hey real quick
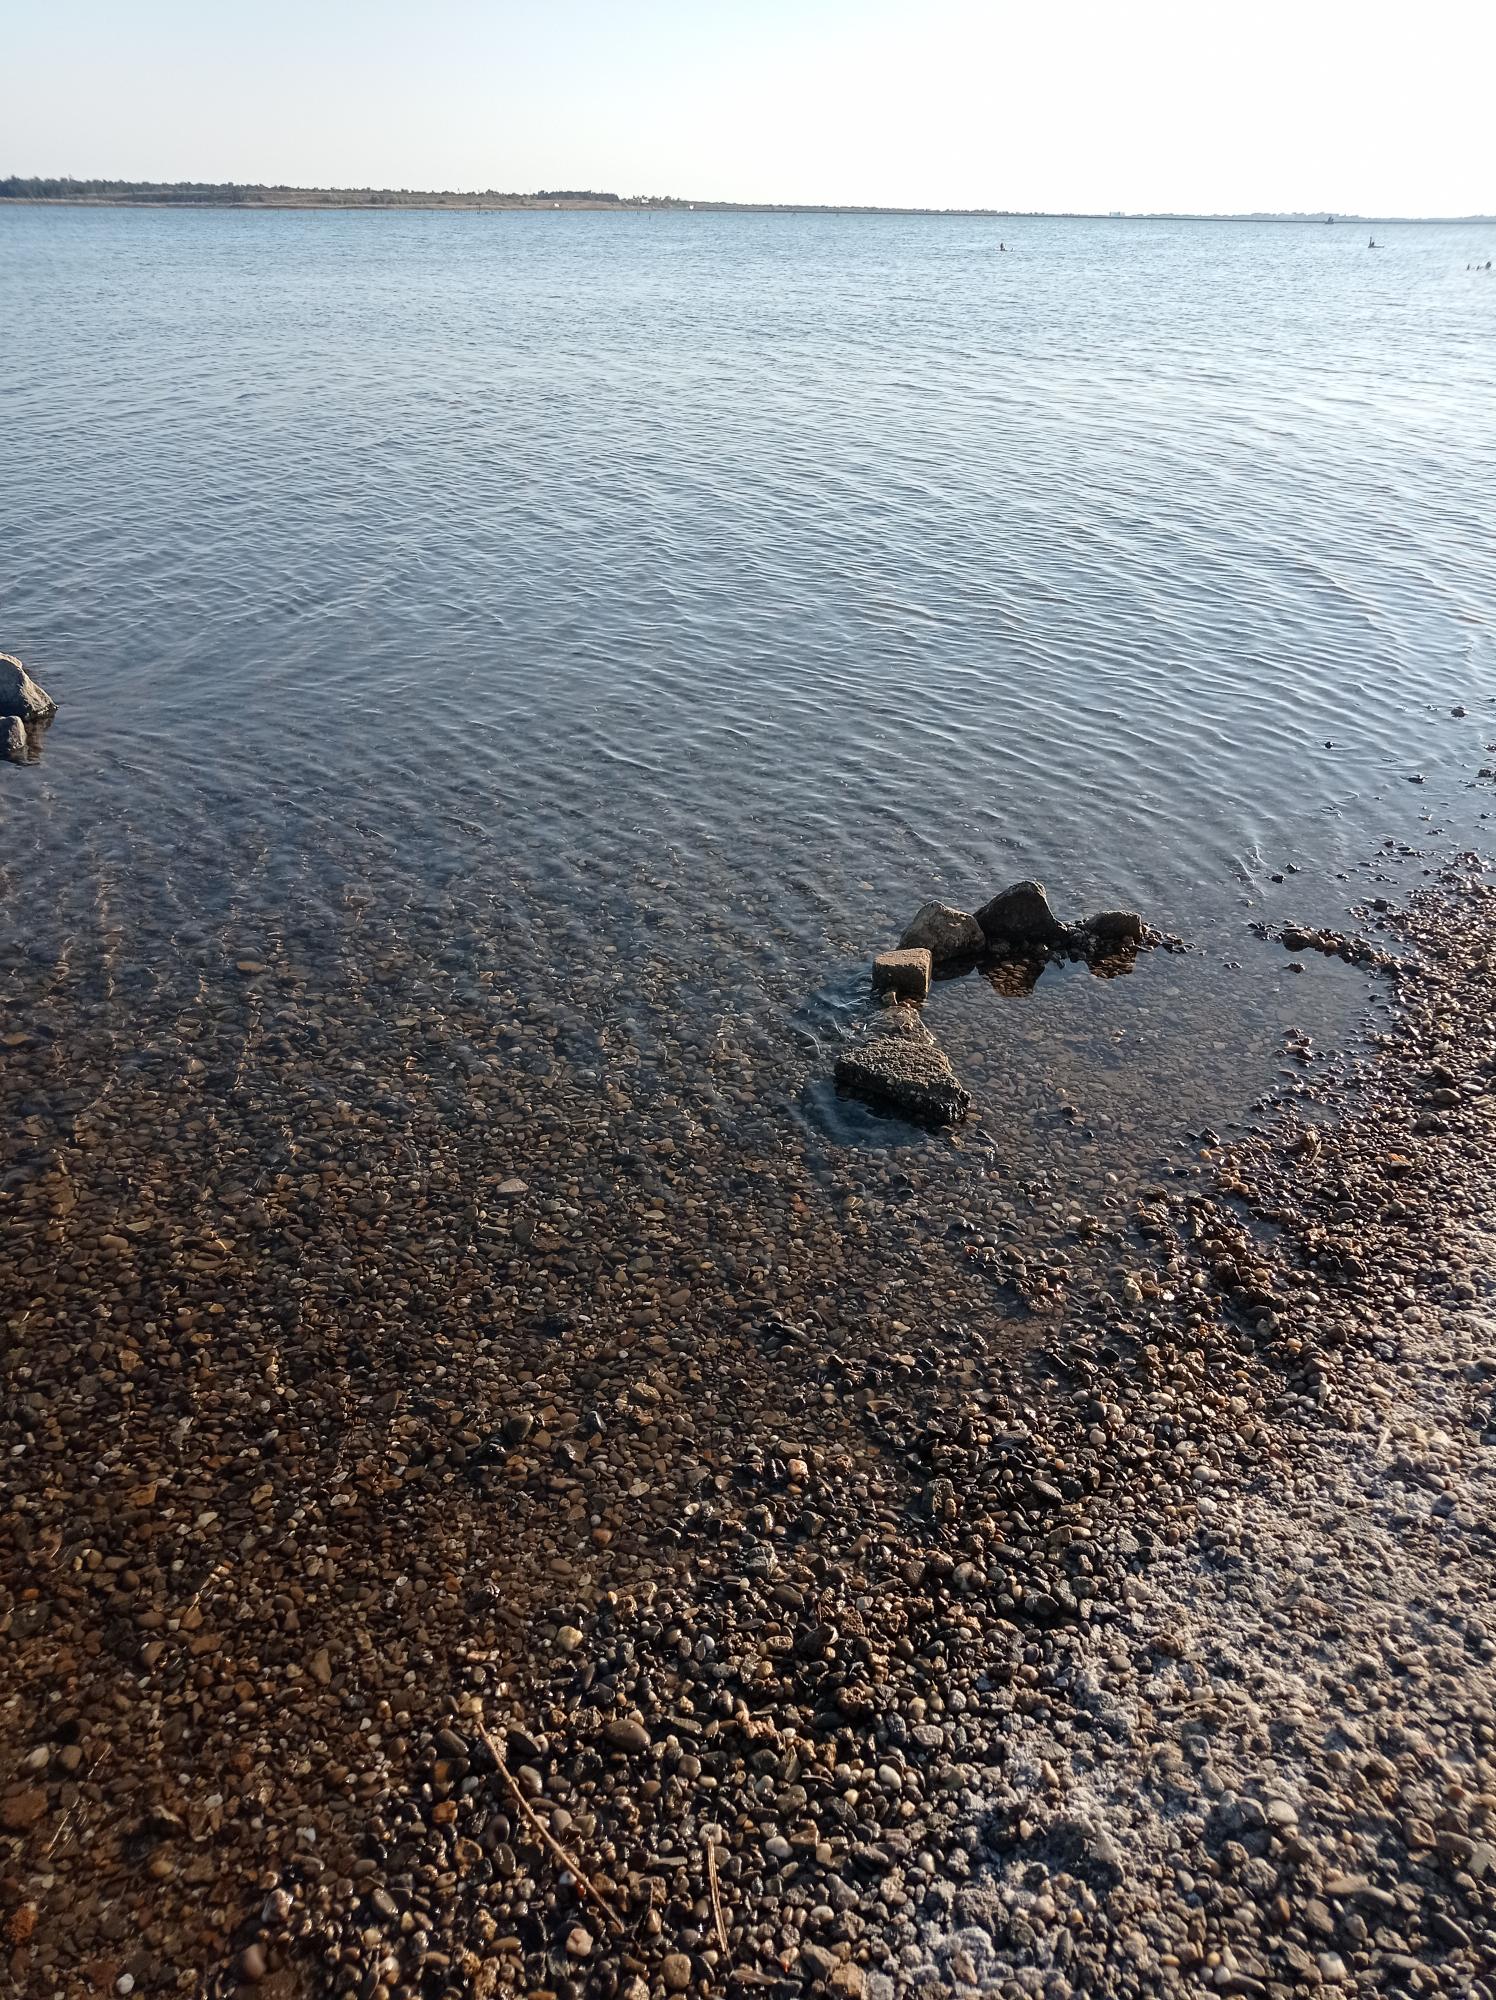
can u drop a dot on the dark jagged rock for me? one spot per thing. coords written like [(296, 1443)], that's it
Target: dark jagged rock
[(949, 935), (1021, 917), (13, 745), (20, 695), (1113, 928), (899, 1065)]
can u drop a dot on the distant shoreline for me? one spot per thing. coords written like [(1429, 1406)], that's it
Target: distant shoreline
[(439, 204), (37, 192)]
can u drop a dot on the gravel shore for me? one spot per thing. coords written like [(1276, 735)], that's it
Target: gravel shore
[(710, 1633)]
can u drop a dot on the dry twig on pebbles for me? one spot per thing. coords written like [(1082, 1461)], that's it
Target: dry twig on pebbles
[(711, 1876), (63, 1824), (583, 1880)]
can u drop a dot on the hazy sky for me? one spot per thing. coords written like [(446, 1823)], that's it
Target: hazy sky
[(1059, 104)]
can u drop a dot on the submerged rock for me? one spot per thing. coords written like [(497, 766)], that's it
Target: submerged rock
[(948, 935), (906, 973), (1021, 916), (13, 745), (899, 1065), (20, 695)]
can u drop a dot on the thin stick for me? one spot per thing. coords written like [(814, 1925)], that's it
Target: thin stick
[(583, 1879), (62, 1824), (711, 1876)]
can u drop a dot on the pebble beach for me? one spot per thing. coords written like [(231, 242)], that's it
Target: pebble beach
[(554, 1448), (409, 1592)]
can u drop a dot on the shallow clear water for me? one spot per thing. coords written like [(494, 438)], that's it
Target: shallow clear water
[(650, 612)]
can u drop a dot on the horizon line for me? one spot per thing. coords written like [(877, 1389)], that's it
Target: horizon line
[(83, 191)]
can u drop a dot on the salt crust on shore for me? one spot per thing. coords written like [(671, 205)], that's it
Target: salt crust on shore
[(1359, 1557)]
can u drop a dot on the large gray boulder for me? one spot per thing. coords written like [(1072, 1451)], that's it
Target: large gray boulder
[(948, 935), (898, 1065), (13, 745), (20, 695), (1021, 918)]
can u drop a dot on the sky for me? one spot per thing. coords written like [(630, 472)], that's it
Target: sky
[(1093, 105)]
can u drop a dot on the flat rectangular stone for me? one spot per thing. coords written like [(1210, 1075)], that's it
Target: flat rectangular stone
[(906, 973)]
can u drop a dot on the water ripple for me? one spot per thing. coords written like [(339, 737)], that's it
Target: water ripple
[(740, 580)]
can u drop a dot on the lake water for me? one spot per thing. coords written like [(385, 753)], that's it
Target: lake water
[(561, 648)]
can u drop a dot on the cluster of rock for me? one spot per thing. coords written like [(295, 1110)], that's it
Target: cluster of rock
[(1331, 944), (1019, 921), (23, 706), (895, 1061)]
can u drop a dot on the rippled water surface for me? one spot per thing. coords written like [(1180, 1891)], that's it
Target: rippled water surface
[(640, 616)]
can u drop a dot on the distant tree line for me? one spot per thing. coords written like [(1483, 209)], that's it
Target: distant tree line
[(219, 194), (257, 194), (35, 188)]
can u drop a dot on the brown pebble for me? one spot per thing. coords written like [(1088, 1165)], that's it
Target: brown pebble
[(20, 1810), (20, 1924), (631, 1737)]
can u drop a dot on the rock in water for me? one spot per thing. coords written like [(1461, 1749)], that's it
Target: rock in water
[(1021, 916), (20, 695), (13, 745), (899, 1065), (906, 973), (1114, 927), (947, 934)]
